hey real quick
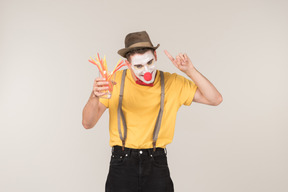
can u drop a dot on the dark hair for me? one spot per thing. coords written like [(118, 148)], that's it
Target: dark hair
[(139, 51)]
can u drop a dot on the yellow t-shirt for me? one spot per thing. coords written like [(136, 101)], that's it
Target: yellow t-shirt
[(141, 106)]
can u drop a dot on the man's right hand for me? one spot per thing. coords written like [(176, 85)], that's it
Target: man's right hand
[(100, 87)]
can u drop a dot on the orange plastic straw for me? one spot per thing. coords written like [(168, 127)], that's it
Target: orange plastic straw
[(103, 69)]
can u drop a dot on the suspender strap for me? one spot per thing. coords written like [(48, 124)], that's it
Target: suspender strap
[(120, 112), (121, 115), (160, 114)]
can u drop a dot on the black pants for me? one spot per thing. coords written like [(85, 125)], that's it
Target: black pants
[(138, 170)]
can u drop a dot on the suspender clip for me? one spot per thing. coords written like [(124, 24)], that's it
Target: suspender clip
[(154, 146), (123, 145)]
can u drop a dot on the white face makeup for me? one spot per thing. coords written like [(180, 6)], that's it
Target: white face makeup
[(143, 65)]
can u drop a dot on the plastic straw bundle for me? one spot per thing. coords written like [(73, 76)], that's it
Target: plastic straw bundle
[(102, 67)]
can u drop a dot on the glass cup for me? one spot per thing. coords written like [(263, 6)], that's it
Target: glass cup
[(108, 93)]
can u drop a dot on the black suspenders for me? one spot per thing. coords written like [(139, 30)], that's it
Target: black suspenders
[(121, 115)]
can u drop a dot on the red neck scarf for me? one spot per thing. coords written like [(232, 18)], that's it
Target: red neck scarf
[(139, 82)]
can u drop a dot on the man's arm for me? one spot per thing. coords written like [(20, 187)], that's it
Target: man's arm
[(94, 109), (206, 92)]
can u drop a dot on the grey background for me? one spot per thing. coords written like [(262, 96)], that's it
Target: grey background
[(46, 79)]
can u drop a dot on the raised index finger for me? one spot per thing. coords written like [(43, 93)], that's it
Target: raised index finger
[(169, 56)]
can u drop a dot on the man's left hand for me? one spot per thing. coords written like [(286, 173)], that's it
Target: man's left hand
[(182, 62)]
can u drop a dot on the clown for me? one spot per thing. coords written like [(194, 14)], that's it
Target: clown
[(142, 111)]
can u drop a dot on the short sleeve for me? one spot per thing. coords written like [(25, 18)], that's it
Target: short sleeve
[(104, 102), (187, 90)]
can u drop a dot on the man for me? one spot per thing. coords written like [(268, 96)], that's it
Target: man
[(142, 113)]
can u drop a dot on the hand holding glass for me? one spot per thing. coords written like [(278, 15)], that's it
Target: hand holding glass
[(109, 87)]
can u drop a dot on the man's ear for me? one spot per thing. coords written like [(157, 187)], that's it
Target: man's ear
[(155, 54)]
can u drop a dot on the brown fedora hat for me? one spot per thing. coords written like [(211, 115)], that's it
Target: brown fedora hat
[(136, 40)]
